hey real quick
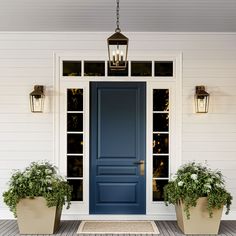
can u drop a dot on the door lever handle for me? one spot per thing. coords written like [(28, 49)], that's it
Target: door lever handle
[(141, 166), (139, 162)]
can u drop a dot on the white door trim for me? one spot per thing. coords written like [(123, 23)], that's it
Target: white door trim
[(153, 209)]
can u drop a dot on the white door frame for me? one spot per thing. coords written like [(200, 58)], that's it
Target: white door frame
[(154, 210)]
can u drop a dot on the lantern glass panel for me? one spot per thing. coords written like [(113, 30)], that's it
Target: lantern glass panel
[(202, 103), (36, 103), (112, 72), (117, 56)]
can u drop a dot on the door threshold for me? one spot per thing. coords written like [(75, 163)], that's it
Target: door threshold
[(119, 217)]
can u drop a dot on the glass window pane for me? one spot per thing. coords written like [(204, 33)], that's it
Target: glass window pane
[(163, 68), (117, 72), (158, 192), (77, 185), (160, 122), (75, 122), (74, 166), (160, 143), (75, 143), (75, 99), (160, 166), (94, 68), (71, 68), (160, 100), (141, 68)]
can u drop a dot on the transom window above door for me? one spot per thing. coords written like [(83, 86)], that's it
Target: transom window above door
[(99, 68)]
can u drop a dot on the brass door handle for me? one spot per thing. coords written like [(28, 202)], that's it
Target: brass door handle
[(141, 164)]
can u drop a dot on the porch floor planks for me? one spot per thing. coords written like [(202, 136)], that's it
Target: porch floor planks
[(69, 228)]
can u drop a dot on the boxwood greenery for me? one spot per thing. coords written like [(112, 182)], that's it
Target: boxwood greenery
[(39, 179), (195, 180)]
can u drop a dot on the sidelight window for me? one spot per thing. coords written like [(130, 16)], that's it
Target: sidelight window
[(160, 145), (75, 116)]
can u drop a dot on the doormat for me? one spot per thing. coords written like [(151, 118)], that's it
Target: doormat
[(118, 227)]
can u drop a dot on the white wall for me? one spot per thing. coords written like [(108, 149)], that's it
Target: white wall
[(26, 59)]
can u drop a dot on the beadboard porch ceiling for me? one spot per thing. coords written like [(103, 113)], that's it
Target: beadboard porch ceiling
[(135, 15)]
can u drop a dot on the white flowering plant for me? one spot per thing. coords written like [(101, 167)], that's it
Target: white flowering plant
[(194, 180), (39, 179)]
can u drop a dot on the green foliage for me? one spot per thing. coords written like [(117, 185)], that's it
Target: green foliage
[(40, 179), (193, 181)]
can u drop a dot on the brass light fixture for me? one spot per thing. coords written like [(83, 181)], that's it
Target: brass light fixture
[(117, 46), (201, 99), (37, 99)]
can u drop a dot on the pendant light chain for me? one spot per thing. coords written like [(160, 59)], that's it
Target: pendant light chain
[(117, 16)]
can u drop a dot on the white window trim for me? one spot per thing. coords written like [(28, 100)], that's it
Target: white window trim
[(155, 210)]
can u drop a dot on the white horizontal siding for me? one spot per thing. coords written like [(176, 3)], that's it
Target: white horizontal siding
[(26, 59)]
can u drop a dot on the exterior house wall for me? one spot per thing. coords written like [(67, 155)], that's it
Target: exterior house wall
[(26, 59)]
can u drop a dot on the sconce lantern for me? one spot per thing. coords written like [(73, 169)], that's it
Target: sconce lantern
[(37, 99), (117, 46), (201, 99)]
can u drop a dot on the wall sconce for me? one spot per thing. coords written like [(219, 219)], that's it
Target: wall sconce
[(117, 46), (201, 99), (37, 99)]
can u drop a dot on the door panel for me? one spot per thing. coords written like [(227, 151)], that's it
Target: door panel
[(117, 144)]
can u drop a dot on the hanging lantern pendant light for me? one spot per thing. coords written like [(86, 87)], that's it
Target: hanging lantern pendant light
[(117, 46)]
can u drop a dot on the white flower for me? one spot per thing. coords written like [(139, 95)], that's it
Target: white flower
[(219, 185), (48, 171), (207, 186), (209, 180), (27, 174), (194, 176), (180, 183)]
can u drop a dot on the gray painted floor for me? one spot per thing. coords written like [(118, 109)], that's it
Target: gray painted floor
[(69, 228)]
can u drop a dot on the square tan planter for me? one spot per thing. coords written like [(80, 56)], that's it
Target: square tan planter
[(199, 222), (35, 217)]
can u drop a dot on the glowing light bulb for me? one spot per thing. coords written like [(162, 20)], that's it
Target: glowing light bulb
[(117, 54), (121, 56), (113, 56)]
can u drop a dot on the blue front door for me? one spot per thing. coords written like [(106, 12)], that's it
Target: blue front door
[(117, 153)]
